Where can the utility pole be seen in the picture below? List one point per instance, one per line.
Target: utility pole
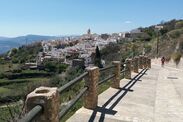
(158, 28)
(157, 46)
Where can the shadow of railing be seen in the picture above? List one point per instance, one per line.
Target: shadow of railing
(127, 88)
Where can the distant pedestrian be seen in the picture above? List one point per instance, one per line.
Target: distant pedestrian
(162, 61)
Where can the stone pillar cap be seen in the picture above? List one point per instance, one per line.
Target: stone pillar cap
(91, 68)
(116, 61)
(43, 91)
(136, 57)
(129, 59)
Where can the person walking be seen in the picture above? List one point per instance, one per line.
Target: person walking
(162, 61)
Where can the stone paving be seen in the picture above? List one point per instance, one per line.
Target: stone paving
(155, 95)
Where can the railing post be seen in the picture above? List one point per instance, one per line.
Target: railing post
(116, 81)
(146, 62)
(48, 98)
(135, 64)
(128, 69)
(149, 63)
(132, 64)
(140, 62)
(91, 96)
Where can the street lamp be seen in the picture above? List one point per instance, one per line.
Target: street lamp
(158, 28)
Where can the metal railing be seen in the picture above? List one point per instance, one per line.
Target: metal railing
(31, 115)
(123, 71)
(106, 79)
(72, 82)
(72, 103)
(106, 68)
(109, 76)
(38, 109)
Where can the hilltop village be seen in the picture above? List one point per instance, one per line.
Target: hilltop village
(79, 50)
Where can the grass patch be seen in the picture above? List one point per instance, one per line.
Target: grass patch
(26, 79)
(5, 82)
(8, 67)
(4, 90)
(104, 86)
(5, 115)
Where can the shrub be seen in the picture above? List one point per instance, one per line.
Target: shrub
(179, 25)
(176, 33)
(176, 57)
(62, 67)
(2, 75)
(50, 67)
(148, 48)
(54, 81)
(15, 60)
(168, 58)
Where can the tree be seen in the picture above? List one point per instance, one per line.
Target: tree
(62, 68)
(50, 67)
(98, 58)
(104, 36)
(14, 51)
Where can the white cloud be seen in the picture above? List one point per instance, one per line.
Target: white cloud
(128, 22)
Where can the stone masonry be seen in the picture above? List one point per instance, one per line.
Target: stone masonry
(49, 99)
(116, 81)
(91, 96)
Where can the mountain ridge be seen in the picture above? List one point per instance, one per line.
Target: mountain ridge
(7, 43)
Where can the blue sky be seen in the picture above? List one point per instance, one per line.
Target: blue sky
(66, 17)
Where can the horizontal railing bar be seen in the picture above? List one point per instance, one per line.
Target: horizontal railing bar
(72, 102)
(72, 82)
(106, 68)
(123, 71)
(32, 114)
(106, 79)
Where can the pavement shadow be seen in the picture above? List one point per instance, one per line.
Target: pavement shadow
(127, 88)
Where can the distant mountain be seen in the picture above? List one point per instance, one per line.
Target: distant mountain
(1, 38)
(8, 43)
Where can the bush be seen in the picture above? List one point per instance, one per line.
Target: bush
(2, 75)
(61, 68)
(54, 81)
(148, 48)
(15, 60)
(17, 71)
(50, 67)
(176, 57)
(179, 25)
(176, 33)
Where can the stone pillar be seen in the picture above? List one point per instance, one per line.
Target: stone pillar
(91, 96)
(135, 65)
(117, 69)
(48, 98)
(140, 62)
(132, 64)
(128, 69)
(145, 61)
(149, 63)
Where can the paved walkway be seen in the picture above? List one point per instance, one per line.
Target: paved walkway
(155, 95)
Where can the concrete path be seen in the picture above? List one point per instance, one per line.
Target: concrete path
(155, 95)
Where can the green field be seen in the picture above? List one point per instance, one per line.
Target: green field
(7, 67)
(3, 90)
